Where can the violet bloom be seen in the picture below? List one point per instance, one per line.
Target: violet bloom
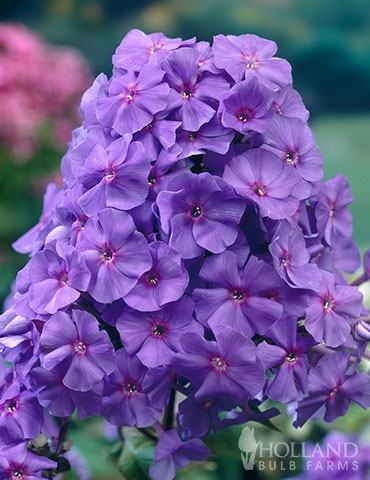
(330, 309)
(137, 49)
(199, 212)
(34, 239)
(227, 368)
(210, 137)
(330, 386)
(58, 275)
(293, 141)
(291, 259)
(158, 385)
(332, 212)
(193, 95)
(288, 355)
(21, 417)
(247, 107)
(240, 54)
(367, 265)
(157, 179)
(133, 100)
(205, 58)
(155, 337)
(160, 131)
(172, 454)
(116, 254)
(125, 402)
(87, 351)
(236, 296)
(114, 177)
(17, 463)
(71, 214)
(60, 400)
(196, 419)
(262, 178)
(289, 103)
(165, 282)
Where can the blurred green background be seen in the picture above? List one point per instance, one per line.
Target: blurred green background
(328, 44)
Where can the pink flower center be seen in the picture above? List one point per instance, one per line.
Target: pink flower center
(152, 279)
(259, 189)
(285, 260)
(131, 387)
(238, 295)
(11, 405)
(18, 473)
(64, 279)
(245, 115)
(292, 157)
(196, 211)
(108, 254)
(219, 364)
(277, 108)
(291, 357)
(80, 348)
(158, 330)
(328, 303)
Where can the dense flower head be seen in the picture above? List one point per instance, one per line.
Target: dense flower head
(193, 248)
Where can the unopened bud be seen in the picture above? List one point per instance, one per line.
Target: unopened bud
(67, 445)
(40, 441)
(362, 332)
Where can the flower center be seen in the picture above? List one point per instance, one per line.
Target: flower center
(277, 108)
(149, 126)
(238, 295)
(331, 210)
(269, 295)
(192, 136)
(11, 405)
(292, 157)
(64, 279)
(155, 47)
(196, 211)
(130, 388)
(18, 474)
(208, 404)
(109, 174)
(219, 364)
(130, 94)
(291, 357)
(187, 93)
(327, 303)
(152, 180)
(259, 190)
(80, 348)
(333, 393)
(244, 116)
(285, 260)
(250, 62)
(152, 278)
(108, 254)
(158, 330)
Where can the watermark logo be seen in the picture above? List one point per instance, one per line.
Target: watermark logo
(283, 456)
(248, 447)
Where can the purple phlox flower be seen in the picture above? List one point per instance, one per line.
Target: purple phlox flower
(133, 100)
(288, 356)
(367, 264)
(159, 132)
(34, 239)
(332, 212)
(116, 254)
(247, 107)
(172, 454)
(137, 49)
(78, 152)
(21, 417)
(289, 103)
(125, 401)
(250, 53)
(293, 141)
(262, 178)
(18, 463)
(205, 59)
(157, 179)
(165, 282)
(58, 275)
(60, 400)
(238, 297)
(115, 177)
(227, 368)
(158, 385)
(210, 137)
(330, 309)
(71, 214)
(155, 336)
(196, 418)
(194, 96)
(290, 257)
(329, 386)
(87, 108)
(78, 339)
(343, 256)
(200, 212)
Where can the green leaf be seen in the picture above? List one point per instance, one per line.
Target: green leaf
(136, 457)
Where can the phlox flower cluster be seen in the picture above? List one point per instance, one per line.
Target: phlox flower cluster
(193, 252)
(40, 86)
